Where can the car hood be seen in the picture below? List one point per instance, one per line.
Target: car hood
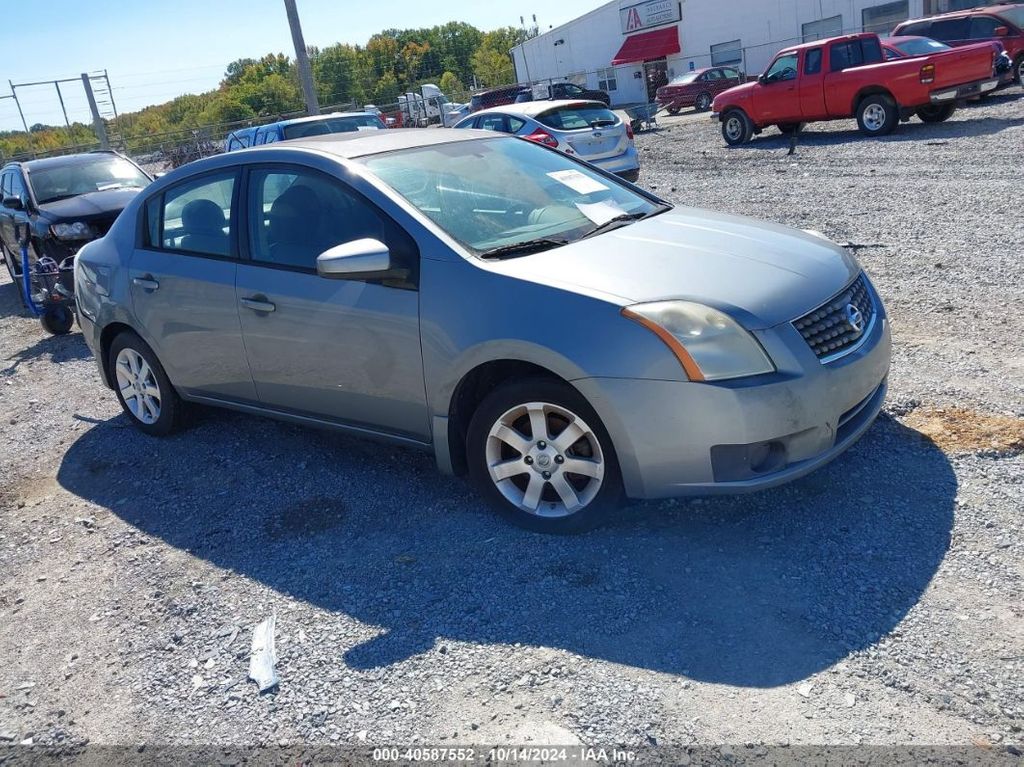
(738, 92)
(761, 273)
(88, 205)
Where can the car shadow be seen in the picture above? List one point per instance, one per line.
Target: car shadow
(54, 348)
(10, 297)
(755, 591)
(915, 130)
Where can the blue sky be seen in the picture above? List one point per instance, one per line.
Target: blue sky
(155, 50)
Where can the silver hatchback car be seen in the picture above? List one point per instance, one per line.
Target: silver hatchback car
(585, 129)
(566, 339)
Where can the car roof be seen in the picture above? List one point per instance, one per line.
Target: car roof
(534, 108)
(996, 9)
(822, 41)
(353, 145)
(65, 160)
(316, 118)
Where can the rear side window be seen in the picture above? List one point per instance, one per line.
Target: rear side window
(951, 29)
(812, 64)
(577, 117)
(494, 122)
(194, 216)
(919, 28)
(855, 53)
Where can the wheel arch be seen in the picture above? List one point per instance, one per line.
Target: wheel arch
(467, 395)
(871, 90)
(107, 336)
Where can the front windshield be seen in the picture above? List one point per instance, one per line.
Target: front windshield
(347, 124)
(105, 172)
(921, 46)
(501, 192)
(689, 77)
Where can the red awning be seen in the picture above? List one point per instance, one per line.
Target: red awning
(648, 45)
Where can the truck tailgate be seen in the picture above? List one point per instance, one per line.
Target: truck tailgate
(962, 65)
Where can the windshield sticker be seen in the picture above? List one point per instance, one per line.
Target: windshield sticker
(578, 182)
(600, 212)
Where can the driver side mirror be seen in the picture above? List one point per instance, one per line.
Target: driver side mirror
(1002, 31)
(14, 203)
(358, 259)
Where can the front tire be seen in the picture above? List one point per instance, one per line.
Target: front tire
(936, 114)
(736, 128)
(877, 115)
(539, 453)
(142, 386)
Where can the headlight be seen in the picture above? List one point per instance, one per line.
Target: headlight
(78, 230)
(710, 345)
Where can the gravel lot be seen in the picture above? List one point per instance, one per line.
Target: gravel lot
(878, 601)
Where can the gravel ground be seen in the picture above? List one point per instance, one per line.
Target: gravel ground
(877, 601)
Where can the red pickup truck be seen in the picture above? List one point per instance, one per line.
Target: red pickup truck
(848, 76)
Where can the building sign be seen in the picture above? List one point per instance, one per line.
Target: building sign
(653, 13)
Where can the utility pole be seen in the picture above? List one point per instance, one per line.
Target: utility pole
(302, 59)
(97, 121)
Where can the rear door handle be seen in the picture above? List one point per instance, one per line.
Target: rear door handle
(146, 283)
(258, 305)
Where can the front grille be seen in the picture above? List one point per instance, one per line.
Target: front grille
(833, 329)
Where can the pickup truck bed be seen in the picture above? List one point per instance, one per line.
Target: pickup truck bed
(847, 77)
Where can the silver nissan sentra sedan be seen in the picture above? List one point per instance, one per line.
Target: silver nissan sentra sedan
(565, 338)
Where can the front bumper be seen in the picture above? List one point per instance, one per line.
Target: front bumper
(678, 438)
(966, 91)
(623, 163)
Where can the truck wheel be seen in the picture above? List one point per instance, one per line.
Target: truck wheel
(936, 114)
(703, 102)
(877, 116)
(788, 129)
(736, 128)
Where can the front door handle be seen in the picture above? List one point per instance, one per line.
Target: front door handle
(146, 283)
(258, 305)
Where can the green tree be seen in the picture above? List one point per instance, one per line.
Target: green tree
(387, 90)
(225, 108)
(452, 86)
(336, 73)
(492, 67)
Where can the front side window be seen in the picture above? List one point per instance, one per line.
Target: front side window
(494, 122)
(984, 27)
(951, 29)
(783, 68)
(17, 187)
(503, 192)
(106, 172)
(194, 216)
(297, 214)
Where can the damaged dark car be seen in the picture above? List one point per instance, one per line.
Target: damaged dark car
(65, 202)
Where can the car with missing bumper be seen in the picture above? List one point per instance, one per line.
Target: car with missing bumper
(848, 76)
(565, 338)
(585, 129)
(63, 202)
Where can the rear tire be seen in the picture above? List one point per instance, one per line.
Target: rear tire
(703, 102)
(936, 114)
(1018, 71)
(736, 127)
(144, 391)
(523, 443)
(877, 115)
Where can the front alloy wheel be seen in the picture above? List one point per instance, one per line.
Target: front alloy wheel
(537, 451)
(554, 471)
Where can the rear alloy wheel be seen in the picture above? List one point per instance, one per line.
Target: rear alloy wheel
(703, 102)
(539, 453)
(142, 386)
(736, 128)
(877, 115)
(936, 114)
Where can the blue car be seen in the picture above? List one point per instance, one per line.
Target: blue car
(302, 127)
